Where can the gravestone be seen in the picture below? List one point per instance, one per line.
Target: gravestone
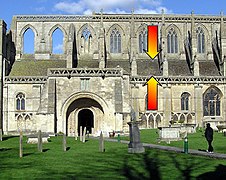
(76, 135)
(64, 143)
(84, 135)
(135, 146)
(80, 133)
(39, 141)
(21, 144)
(101, 142)
(0, 134)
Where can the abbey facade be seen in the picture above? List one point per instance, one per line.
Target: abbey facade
(99, 78)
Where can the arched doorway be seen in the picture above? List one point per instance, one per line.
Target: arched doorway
(85, 119)
(85, 112)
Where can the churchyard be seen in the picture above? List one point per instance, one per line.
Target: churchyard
(85, 160)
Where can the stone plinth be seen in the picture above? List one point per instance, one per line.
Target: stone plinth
(169, 133)
(135, 146)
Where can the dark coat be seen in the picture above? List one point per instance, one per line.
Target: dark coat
(209, 134)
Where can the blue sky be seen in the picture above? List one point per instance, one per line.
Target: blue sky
(9, 8)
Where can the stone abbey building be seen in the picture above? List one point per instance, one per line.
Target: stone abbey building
(99, 77)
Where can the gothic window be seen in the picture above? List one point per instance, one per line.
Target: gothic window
(200, 40)
(211, 103)
(20, 102)
(185, 101)
(84, 84)
(172, 41)
(86, 40)
(115, 41)
(28, 41)
(57, 41)
(143, 41)
(86, 34)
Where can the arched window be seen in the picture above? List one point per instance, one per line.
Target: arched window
(28, 41)
(20, 102)
(211, 102)
(57, 41)
(200, 40)
(143, 41)
(86, 40)
(86, 34)
(115, 41)
(172, 41)
(185, 101)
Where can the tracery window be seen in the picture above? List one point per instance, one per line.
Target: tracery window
(115, 41)
(172, 41)
(185, 101)
(211, 103)
(143, 41)
(200, 40)
(86, 34)
(20, 101)
(86, 38)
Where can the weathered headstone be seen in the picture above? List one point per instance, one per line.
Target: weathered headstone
(135, 146)
(84, 135)
(0, 134)
(39, 141)
(76, 135)
(101, 142)
(80, 133)
(64, 143)
(21, 144)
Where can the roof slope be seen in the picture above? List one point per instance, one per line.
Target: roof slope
(35, 67)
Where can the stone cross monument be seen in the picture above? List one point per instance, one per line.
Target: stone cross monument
(135, 146)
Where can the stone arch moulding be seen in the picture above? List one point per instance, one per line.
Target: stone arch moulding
(28, 26)
(204, 28)
(80, 95)
(176, 28)
(117, 26)
(93, 32)
(50, 34)
(140, 28)
(77, 96)
(52, 29)
(214, 87)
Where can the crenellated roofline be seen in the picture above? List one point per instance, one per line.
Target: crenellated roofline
(121, 17)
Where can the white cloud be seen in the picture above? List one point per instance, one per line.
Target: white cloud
(58, 48)
(111, 6)
(40, 9)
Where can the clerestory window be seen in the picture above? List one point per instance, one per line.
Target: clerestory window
(115, 41)
(20, 101)
(172, 41)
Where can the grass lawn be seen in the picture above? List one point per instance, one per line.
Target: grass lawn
(84, 161)
(195, 141)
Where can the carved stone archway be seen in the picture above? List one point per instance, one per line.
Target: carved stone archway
(79, 102)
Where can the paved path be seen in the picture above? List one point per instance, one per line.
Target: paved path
(175, 149)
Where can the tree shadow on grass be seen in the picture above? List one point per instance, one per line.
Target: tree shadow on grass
(4, 138)
(45, 150)
(27, 154)
(184, 168)
(5, 149)
(151, 168)
(68, 148)
(219, 174)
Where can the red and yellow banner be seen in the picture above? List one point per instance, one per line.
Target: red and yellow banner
(152, 42)
(152, 93)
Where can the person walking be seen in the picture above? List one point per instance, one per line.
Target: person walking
(209, 137)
